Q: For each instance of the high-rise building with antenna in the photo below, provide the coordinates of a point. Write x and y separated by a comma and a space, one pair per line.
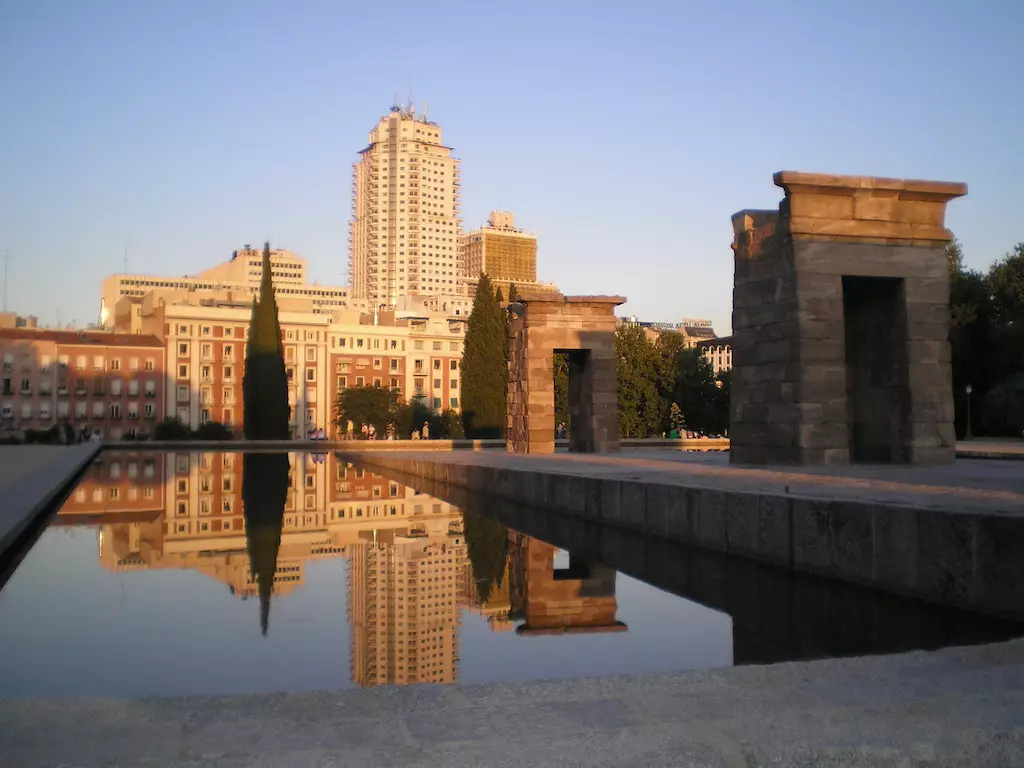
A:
405, 228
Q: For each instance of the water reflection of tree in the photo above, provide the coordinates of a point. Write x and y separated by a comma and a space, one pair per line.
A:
264, 491
487, 542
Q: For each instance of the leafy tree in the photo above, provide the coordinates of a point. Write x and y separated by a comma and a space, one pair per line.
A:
449, 425
214, 430
721, 404
1003, 412
636, 368
411, 416
369, 405
667, 347
487, 543
675, 420
172, 428
513, 293
696, 391
265, 382
1006, 287
264, 492
484, 370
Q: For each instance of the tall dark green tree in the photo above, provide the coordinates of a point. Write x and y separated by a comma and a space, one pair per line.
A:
513, 293
265, 383
484, 369
264, 492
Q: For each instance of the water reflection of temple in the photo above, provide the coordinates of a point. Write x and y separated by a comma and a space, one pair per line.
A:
409, 573
551, 600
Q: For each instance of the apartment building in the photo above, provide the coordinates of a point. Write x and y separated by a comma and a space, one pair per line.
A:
405, 227
110, 384
418, 353
239, 275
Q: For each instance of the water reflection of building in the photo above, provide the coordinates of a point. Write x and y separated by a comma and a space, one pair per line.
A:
409, 573
405, 595
550, 600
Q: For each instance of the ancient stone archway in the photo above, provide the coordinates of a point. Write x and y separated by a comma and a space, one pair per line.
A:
584, 327
841, 324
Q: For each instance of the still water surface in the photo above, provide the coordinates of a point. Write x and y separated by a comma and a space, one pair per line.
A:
174, 574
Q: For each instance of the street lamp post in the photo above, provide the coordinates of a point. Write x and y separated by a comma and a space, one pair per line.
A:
967, 434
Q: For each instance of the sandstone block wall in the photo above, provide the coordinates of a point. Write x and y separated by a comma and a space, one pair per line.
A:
584, 326
841, 323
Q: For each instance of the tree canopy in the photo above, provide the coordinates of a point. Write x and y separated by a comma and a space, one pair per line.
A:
369, 405
987, 341
484, 370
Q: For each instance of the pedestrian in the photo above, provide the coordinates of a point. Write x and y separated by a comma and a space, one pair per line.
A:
426, 431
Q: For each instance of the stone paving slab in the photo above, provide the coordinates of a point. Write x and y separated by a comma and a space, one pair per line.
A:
982, 486
956, 707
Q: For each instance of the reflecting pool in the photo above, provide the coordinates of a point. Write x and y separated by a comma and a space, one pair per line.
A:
219, 573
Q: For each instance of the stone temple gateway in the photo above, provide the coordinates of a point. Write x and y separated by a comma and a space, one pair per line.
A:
841, 324
583, 327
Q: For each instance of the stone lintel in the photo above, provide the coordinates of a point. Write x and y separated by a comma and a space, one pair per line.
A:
858, 208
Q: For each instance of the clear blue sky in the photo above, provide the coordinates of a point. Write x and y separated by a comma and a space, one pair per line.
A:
624, 133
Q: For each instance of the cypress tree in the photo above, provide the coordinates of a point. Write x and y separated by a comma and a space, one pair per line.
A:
513, 293
264, 492
484, 370
265, 383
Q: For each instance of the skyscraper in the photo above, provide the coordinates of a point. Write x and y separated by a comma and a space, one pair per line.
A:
405, 229
502, 251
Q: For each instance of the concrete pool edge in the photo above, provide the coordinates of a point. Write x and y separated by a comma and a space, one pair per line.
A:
34, 494
940, 554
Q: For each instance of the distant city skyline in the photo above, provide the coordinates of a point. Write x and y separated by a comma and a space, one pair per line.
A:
115, 144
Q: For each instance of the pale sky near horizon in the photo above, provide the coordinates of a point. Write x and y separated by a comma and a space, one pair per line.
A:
623, 134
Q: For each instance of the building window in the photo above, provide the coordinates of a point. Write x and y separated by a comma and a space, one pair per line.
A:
311, 354
150, 364
376, 363
183, 349
311, 374
453, 365
342, 382
115, 365
183, 371
359, 381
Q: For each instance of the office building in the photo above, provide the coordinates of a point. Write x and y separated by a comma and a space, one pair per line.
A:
405, 227
239, 275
